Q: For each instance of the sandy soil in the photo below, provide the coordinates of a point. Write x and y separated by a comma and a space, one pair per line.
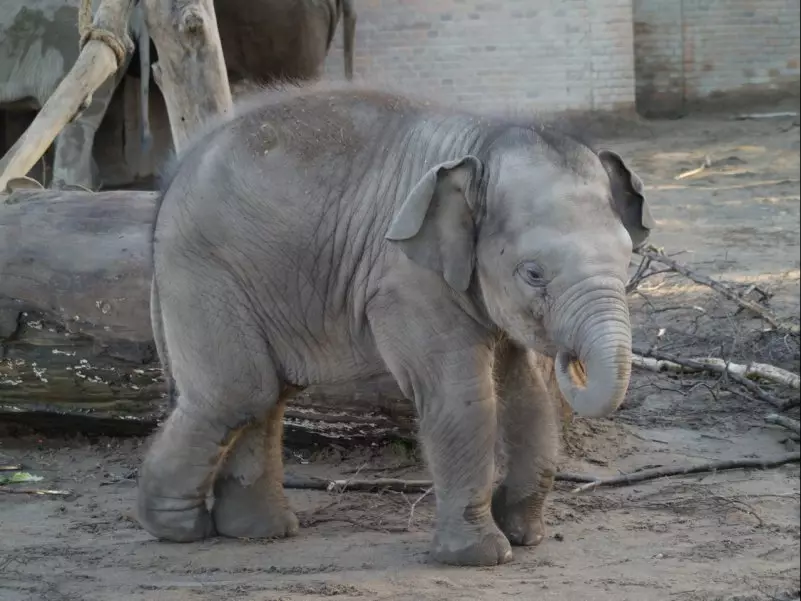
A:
724, 537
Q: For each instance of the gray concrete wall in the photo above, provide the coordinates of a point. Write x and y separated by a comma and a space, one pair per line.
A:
488, 54
690, 50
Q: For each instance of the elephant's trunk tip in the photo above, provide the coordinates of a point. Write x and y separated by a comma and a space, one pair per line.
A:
594, 387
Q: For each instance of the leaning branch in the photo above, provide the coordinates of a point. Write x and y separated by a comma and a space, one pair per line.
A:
657, 361
712, 466
654, 254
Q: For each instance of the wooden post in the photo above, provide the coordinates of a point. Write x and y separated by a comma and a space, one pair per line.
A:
191, 69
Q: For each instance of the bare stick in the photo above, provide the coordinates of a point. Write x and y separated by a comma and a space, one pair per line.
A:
712, 466
717, 365
754, 370
782, 420
35, 491
590, 482
378, 484
99, 59
706, 164
10, 468
645, 359
393, 484
775, 322
766, 115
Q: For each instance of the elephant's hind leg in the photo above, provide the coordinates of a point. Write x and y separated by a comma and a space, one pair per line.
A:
249, 499
226, 379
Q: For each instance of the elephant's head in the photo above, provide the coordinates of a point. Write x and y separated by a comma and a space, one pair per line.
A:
541, 231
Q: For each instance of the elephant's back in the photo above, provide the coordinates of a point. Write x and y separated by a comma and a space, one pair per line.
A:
271, 40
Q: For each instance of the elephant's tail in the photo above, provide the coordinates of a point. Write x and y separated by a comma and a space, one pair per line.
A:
157, 325
349, 31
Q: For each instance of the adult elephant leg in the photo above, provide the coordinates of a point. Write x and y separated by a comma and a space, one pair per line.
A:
222, 368
249, 499
529, 441
444, 363
74, 162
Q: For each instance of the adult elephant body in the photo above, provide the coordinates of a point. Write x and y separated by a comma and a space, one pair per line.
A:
273, 40
338, 232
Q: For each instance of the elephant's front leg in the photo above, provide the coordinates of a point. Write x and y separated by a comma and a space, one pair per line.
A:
249, 499
530, 442
450, 378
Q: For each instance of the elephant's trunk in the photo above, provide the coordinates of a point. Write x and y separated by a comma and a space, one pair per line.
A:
594, 373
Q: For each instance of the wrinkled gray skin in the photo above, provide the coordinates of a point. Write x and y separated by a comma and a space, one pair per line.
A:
335, 233
39, 44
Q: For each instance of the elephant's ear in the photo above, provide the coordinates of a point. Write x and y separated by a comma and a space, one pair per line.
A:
628, 198
435, 227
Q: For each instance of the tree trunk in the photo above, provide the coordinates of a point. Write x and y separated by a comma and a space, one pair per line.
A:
191, 69
76, 348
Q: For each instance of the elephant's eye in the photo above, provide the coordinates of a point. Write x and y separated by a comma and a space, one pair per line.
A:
532, 274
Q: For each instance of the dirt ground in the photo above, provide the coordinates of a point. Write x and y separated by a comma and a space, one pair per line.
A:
722, 536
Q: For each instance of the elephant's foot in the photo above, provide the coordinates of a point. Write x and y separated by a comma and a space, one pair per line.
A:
251, 511
484, 546
172, 519
522, 521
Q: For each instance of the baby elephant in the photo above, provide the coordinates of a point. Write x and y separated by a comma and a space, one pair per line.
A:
332, 233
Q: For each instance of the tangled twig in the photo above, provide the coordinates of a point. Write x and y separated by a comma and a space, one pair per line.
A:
654, 254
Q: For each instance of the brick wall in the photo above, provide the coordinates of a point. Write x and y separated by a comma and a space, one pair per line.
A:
692, 49
489, 54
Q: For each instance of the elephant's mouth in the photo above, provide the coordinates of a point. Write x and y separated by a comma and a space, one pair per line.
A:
569, 365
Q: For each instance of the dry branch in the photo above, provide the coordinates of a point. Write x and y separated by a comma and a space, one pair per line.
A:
717, 365
705, 165
725, 290
99, 59
392, 484
657, 361
712, 466
590, 482
786, 422
35, 491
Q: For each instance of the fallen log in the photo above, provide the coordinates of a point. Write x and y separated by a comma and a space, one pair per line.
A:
76, 348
